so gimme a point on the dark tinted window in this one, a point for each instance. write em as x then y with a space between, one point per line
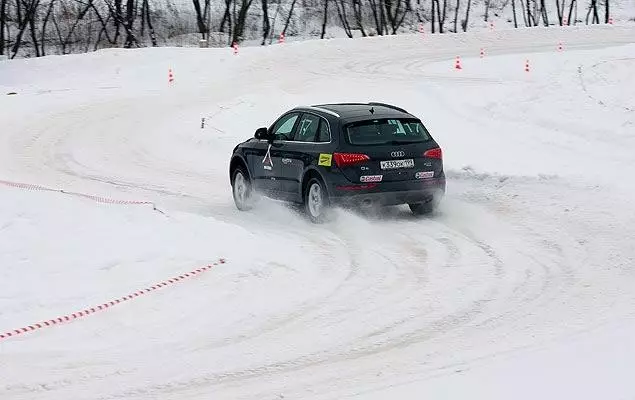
324 135
386 131
307 129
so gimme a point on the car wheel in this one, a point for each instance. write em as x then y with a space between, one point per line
316 202
241 189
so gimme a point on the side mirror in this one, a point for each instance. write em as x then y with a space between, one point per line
262 134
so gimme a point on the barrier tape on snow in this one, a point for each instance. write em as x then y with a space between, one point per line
104 306
98 199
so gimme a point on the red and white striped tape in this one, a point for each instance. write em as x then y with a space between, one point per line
98 199
104 306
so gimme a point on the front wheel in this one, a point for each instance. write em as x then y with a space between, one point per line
316 201
241 189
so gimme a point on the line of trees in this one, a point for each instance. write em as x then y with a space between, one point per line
39 27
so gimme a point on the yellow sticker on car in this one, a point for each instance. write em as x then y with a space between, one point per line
325 160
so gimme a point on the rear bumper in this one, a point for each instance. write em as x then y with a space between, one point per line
389 193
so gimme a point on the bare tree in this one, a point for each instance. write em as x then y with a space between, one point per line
3 20
396 11
358 12
456 15
326 13
593 7
265 22
239 25
341 12
24 18
377 9
201 17
286 24
467 15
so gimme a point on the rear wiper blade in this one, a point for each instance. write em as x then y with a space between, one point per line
405 141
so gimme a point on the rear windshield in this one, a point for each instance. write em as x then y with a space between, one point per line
386 131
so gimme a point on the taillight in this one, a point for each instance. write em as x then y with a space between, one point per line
434 153
348 159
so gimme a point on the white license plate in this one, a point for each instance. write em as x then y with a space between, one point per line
394 164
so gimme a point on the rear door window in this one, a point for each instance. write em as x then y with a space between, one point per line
307 128
386 131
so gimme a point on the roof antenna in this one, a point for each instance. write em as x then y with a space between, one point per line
372 110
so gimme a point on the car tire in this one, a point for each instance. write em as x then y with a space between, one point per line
242 190
316 201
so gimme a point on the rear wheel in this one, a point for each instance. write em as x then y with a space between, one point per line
241 189
316 202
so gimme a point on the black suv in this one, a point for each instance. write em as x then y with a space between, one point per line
356 154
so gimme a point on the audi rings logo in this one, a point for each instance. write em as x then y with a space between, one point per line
397 153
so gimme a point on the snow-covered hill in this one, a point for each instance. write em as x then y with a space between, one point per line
520 287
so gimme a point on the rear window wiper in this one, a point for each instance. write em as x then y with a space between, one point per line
397 142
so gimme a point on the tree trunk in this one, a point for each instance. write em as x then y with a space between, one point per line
573 2
374 10
439 18
357 10
266 26
514 12
239 25
3 19
153 36
34 34
118 17
433 16
131 40
606 11
467 15
456 16
286 24
44 23
543 12
341 12
326 13
23 22
227 17
200 18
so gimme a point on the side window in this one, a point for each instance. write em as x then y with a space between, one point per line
324 135
283 129
307 129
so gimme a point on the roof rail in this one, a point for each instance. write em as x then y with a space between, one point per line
388 106
324 110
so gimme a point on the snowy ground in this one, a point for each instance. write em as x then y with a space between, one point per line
522 286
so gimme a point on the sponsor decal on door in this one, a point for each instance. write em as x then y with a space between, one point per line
325 160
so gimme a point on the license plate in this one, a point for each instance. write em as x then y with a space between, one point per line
394 164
